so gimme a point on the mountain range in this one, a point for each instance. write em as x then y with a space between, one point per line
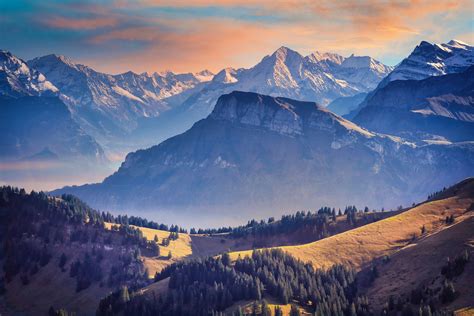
257 152
317 77
130 107
109 106
438 108
34 120
257 134
425 61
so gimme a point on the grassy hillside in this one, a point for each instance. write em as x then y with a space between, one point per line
358 247
419 265
416 242
185 247
189 246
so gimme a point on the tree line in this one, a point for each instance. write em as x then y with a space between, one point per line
209 286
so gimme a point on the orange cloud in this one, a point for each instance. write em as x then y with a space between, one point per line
212 44
78 24
369 27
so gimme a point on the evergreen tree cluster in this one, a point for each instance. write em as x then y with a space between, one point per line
141 222
351 213
86 271
209 286
33 226
317 223
455 267
449 220
428 300
434 195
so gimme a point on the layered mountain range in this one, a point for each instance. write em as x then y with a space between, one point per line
135 106
318 77
265 148
439 108
34 120
111 105
257 152
425 61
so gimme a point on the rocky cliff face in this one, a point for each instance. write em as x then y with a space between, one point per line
256 153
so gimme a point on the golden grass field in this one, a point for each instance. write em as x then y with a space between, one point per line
468 311
421 263
185 247
360 246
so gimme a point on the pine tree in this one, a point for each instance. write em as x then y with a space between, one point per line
448 293
294 311
254 308
266 311
278 311
226 259
425 311
124 295
353 311
62 261
239 312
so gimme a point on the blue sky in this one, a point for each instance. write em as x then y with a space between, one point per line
190 35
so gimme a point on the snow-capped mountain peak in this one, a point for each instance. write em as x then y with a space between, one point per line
18 79
458 44
204 75
360 62
226 75
428 60
121 99
317 57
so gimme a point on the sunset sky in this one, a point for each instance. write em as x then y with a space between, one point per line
191 35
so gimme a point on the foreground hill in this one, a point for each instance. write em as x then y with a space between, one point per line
420 265
58 252
257 152
359 246
399 268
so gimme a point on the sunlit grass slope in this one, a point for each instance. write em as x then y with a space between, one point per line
361 245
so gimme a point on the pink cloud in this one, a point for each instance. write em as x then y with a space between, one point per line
78 24
364 27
